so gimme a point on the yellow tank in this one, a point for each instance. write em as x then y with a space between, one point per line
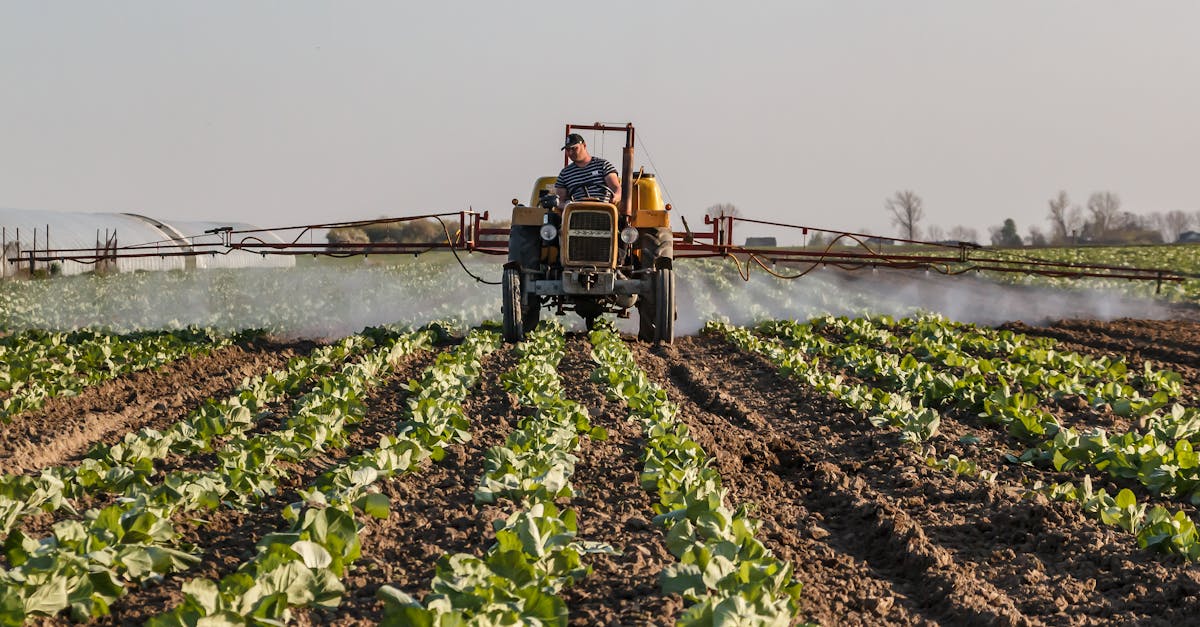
542 185
648 208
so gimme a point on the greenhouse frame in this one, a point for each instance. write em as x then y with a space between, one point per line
25 230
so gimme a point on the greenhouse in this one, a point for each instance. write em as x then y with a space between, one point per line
23 231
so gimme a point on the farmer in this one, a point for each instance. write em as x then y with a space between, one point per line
586 176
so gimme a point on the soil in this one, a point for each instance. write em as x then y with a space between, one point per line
228 537
65 428
875 535
878 537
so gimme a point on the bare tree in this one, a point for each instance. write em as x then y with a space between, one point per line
1105 208
722 209
964 234
1036 237
907 210
1130 221
1173 224
1059 206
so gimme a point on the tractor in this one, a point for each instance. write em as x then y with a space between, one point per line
592 257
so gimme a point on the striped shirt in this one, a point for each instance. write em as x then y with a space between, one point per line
588 181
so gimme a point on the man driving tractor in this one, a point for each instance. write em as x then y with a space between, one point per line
586 176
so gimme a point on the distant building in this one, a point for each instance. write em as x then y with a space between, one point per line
881 241
761 242
1189 237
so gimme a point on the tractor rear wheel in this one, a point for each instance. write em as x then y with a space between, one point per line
510 305
664 306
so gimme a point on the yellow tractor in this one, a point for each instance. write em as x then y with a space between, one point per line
592 257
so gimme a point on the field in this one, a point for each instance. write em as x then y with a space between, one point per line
824 451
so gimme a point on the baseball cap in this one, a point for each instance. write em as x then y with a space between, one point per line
572 139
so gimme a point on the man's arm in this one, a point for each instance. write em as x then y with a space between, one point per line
614 184
561 192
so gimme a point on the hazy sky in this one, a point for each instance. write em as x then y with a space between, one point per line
813 113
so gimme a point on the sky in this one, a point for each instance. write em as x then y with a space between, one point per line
809 113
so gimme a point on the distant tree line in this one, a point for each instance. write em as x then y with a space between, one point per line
1101 221
426 231
1104 222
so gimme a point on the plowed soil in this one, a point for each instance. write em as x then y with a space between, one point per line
66 427
876 536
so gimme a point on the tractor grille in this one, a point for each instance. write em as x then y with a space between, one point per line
590 221
590 237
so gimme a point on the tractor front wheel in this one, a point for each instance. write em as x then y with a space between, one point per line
510 306
654 245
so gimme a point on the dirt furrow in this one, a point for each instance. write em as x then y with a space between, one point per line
991 551
612 507
65 428
1184 335
433 510
840 586
227 537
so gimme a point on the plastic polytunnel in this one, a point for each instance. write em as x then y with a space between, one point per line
23 230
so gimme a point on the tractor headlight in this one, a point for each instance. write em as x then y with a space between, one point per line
629 235
549 232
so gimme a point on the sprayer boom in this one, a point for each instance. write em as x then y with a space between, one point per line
466 231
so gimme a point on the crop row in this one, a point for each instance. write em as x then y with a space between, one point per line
131 462
86 564
536 552
882 407
302 564
939 373
38 365
1161 459
1027 362
727 574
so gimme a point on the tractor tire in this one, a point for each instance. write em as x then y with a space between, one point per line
510 305
525 246
531 314
653 244
664 306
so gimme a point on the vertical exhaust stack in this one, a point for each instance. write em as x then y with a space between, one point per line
627 174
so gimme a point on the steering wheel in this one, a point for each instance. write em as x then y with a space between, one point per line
571 192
